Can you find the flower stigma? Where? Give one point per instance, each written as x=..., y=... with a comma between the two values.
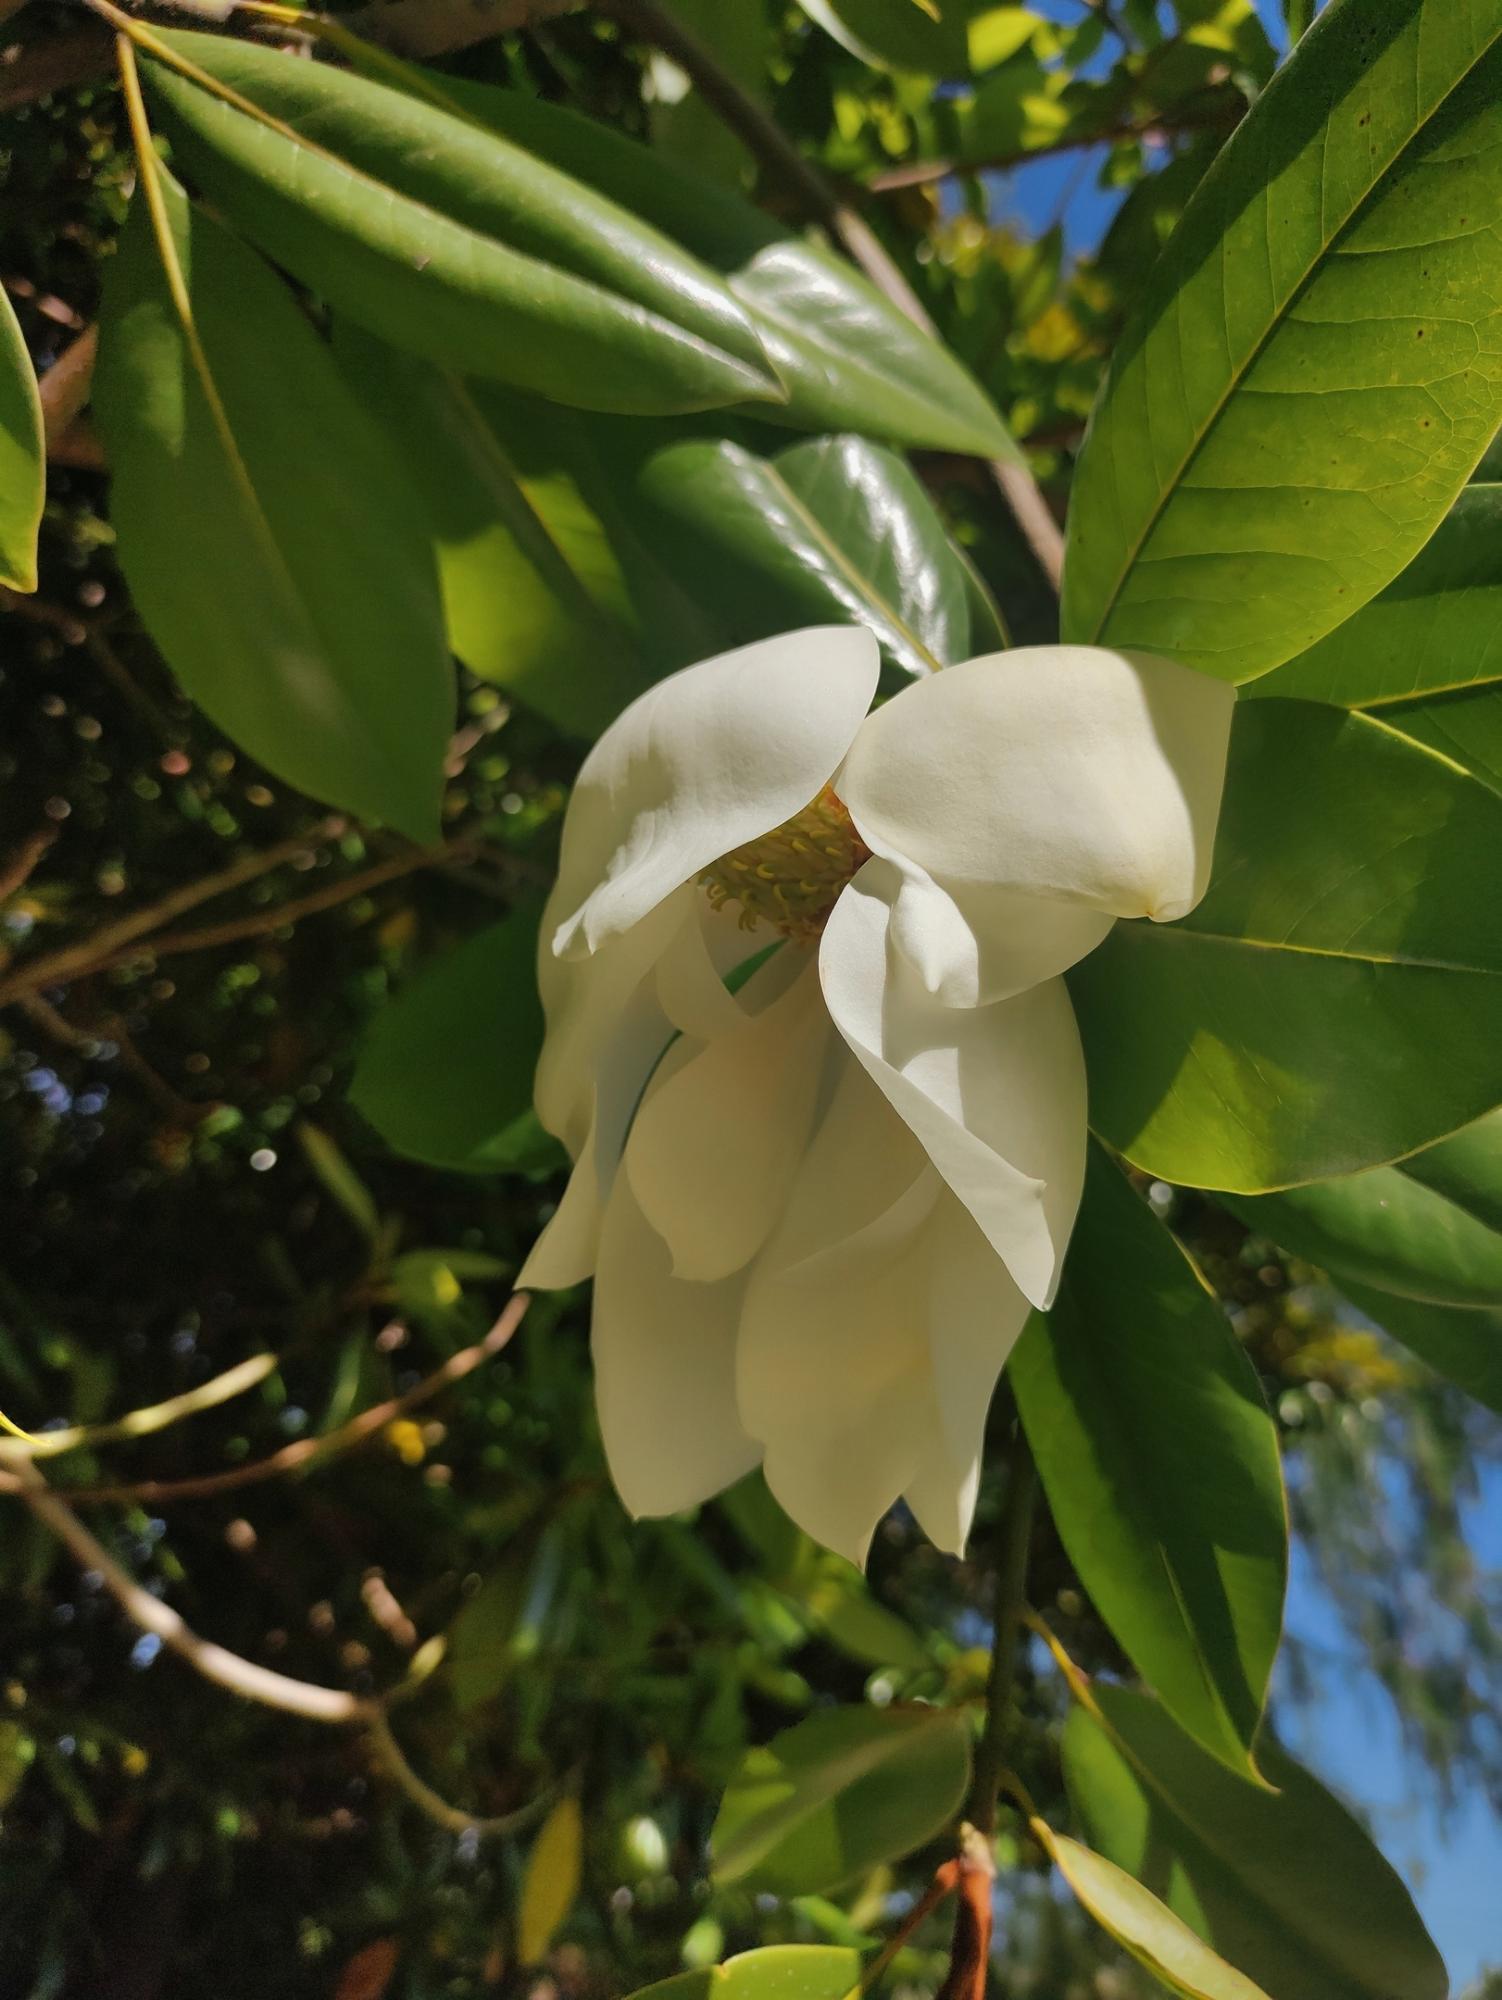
x=791, y=877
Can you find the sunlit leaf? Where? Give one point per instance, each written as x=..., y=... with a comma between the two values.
x=776, y=1972
x=551, y=1882
x=23, y=470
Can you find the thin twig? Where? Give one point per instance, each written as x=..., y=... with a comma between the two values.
x=154, y=1417
x=1014, y=1535
x=924, y=173
x=160, y=1492
x=56, y=968
x=657, y=25
x=945, y=1881
x=181, y=1110
x=64, y=389
x=393, y=1761
x=15, y=873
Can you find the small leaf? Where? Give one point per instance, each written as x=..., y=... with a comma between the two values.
x=368, y=1975
x=834, y=530
x=1335, y=1001
x=1161, y=1466
x=23, y=466
x=446, y=240
x=1315, y=370
x=1147, y=1928
x=776, y=1972
x=925, y=36
x=551, y=1883
x=445, y=1075
x=291, y=590
x=1284, y=1884
x=837, y=1794
x=849, y=360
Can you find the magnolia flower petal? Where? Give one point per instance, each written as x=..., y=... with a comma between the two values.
x=703, y=762
x=566, y=1251
x=976, y=1314
x=1064, y=771
x=714, y=1146
x=995, y=1094
x=605, y=1023
x=942, y=1493
x=832, y=1362
x=664, y=1355
x=971, y=943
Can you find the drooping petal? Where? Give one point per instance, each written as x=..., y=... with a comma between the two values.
x=971, y=943
x=703, y=762
x=568, y=1247
x=995, y=1094
x=832, y=1359
x=664, y=1357
x=715, y=1145
x=1063, y=771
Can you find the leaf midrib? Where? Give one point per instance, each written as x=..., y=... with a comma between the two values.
x=1343, y=956
x=1274, y=327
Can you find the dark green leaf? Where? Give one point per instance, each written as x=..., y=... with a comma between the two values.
x=1284, y=1884
x=1336, y=1000
x=848, y=358
x=927, y=36
x=450, y=242
x=834, y=530
x=292, y=590
x=846, y=1789
x=1161, y=1466
x=776, y=1972
x=445, y=1075
x=1466, y=727
x=1436, y=627
x=23, y=470
x=1319, y=363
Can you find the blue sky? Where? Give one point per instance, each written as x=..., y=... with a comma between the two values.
x=1349, y=1735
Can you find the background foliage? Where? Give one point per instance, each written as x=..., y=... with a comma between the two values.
x=248, y=1127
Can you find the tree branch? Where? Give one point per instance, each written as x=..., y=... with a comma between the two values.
x=654, y=23
x=64, y=389
x=1014, y=1536
x=291, y=1457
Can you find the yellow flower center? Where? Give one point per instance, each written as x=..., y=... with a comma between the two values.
x=791, y=877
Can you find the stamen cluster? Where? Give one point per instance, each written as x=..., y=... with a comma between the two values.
x=791, y=877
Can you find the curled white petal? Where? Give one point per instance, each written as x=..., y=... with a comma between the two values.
x=703, y=762
x=995, y=1094
x=1063, y=771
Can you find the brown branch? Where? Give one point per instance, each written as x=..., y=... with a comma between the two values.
x=653, y=23
x=158, y=1492
x=15, y=873
x=110, y=1028
x=970, y=1954
x=923, y=173
x=55, y=968
x=945, y=1882
x=64, y=388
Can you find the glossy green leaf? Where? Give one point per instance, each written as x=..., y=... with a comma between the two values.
x=292, y=591
x=535, y=594
x=846, y=1789
x=836, y=529
x=1385, y=1228
x=445, y=1074
x=1336, y=1000
x=1466, y=727
x=1160, y=1462
x=1464, y=1345
x=449, y=241
x=1148, y=1929
x=849, y=360
x=1285, y=1885
x=1319, y=363
x=926, y=36
x=1436, y=627
x=23, y=466
x=776, y=1972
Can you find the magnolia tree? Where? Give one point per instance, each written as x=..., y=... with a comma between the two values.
x=887, y=965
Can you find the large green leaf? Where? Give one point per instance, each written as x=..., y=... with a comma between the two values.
x=1465, y=726
x=449, y=241
x=1436, y=627
x=1284, y=1884
x=1464, y=1345
x=833, y=529
x=927, y=36
x=776, y=1972
x=848, y=358
x=291, y=589
x=1385, y=1228
x=445, y=1074
x=23, y=469
x=1161, y=1465
x=1336, y=1000
x=846, y=1789
x=1175, y=1955
x=1319, y=363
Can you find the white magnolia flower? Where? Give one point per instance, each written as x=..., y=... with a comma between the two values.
x=810, y=1051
